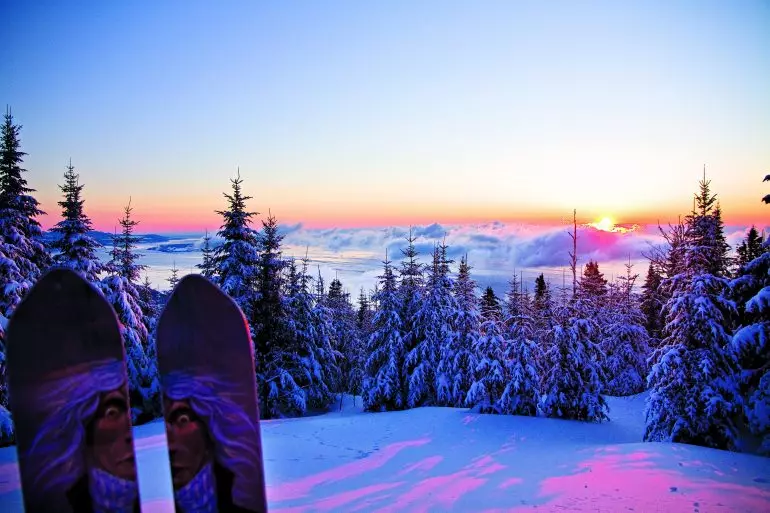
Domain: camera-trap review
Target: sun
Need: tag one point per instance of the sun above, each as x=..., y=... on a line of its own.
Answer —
x=605, y=224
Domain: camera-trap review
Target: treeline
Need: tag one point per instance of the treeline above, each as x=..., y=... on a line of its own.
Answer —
x=696, y=336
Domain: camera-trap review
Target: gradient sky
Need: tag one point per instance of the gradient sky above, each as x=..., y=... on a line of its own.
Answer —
x=378, y=113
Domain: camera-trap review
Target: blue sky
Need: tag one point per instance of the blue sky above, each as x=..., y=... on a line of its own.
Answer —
x=364, y=113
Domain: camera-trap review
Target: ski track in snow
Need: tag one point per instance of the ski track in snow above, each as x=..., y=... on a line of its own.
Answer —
x=444, y=459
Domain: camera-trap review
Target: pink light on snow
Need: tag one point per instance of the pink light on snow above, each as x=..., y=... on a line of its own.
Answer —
x=340, y=500
x=422, y=465
x=302, y=487
x=610, y=482
x=441, y=491
x=510, y=482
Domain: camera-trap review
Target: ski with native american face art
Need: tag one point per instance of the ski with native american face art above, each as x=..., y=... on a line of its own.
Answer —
x=68, y=391
x=206, y=366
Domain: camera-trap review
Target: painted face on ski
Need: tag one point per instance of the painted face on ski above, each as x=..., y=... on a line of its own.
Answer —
x=188, y=442
x=110, y=444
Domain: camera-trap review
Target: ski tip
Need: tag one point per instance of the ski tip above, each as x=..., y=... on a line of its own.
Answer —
x=197, y=318
x=63, y=322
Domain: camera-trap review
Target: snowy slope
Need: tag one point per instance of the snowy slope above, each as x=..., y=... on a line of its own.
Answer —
x=444, y=459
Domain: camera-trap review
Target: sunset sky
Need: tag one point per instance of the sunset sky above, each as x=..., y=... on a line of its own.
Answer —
x=354, y=114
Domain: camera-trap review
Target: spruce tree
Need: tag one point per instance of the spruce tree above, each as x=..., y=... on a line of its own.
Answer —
x=573, y=382
x=491, y=310
x=625, y=339
x=410, y=292
x=275, y=357
x=490, y=376
x=74, y=247
x=236, y=260
x=308, y=354
x=207, y=266
x=652, y=304
x=383, y=375
x=592, y=285
x=457, y=361
x=694, y=397
x=21, y=238
x=435, y=321
x=750, y=344
x=750, y=248
x=120, y=291
x=174, y=278
x=347, y=335
x=522, y=355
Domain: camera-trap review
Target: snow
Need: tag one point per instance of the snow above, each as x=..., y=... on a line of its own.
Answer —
x=449, y=459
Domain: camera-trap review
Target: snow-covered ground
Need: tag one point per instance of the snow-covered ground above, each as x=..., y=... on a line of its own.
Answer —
x=445, y=459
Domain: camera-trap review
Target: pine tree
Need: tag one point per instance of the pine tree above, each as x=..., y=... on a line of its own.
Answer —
x=592, y=285
x=410, y=292
x=750, y=248
x=23, y=256
x=652, y=304
x=625, y=339
x=174, y=278
x=124, y=256
x=236, y=260
x=750, y=344
x=208, y=265
x=457, y=362
x=522, y=356
x=120, y=291
x=383, y=379
x=705, y=233
x=275, y=358
x=347, y=336
x=514, y=299
x=308, y=357
x=490, y=306
x=74, y=247
x=694, y=396
x=490, y=371
x=435, y=321
x=572, y=385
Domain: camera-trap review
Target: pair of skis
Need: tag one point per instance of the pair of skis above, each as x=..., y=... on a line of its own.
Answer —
x=69, y=398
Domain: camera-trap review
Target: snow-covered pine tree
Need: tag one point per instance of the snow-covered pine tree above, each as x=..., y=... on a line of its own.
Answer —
x=347, y=338
x=750, y=248
x=74, y=247
x=458, y=358
x=383, y=372
x=625, y=340
x=121, y=292
x=521, y=395
x=592, y=286
x=572, y=384
x=207, y=265
x=694, y=396
x=651, y=304
x=490, y=307
x=514, y=304
x=357, y=354
x=309, y=356
x=751, y=343
x=279, y=392
x=23, y=256
x=490, y=376
x=236, y=260
x=410, y=291
x=435, y=321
